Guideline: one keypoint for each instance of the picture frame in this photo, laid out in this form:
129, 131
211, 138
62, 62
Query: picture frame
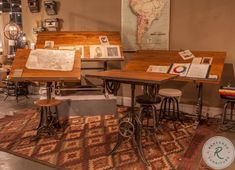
186, 54
104, 40
49, 44
79, 48
113, 51
207, 60
97, 51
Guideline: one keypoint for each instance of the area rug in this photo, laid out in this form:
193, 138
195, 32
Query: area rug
85, 142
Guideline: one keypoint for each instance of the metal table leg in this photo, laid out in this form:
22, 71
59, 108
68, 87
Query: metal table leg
133, 124
199, 102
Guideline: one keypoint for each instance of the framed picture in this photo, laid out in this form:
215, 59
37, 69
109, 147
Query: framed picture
49, 44
79, 48
186, 54
97, 51
113, 51
207, 60
180, 69
104, 40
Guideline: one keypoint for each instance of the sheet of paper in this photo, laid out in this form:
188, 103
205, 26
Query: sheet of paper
104, 40
158, 69
79, 48
18, 73
57, 60
197, 60
198, 70
186, 54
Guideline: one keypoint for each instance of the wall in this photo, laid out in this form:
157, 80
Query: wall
195, 25
77, 15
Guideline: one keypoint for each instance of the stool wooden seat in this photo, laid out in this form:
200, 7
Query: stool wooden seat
170, 92
47, 102
170, 104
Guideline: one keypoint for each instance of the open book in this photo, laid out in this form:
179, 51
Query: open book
198, 70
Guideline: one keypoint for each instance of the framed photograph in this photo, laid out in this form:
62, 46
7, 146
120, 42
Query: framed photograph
49, 44
207, 60
79, 48
113, 51
186, 54
180, 69
104, 40
97, 51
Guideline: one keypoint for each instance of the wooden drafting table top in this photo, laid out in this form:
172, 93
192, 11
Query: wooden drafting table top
86, 38
43, 75
138, 77
142, 59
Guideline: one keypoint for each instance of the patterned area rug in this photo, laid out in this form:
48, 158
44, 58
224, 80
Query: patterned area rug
85, 142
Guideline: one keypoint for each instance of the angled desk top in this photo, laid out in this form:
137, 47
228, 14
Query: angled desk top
144, 58
138, 77
43, 75
86, 38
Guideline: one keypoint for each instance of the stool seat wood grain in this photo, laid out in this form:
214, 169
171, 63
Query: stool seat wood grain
167, 92
48, 102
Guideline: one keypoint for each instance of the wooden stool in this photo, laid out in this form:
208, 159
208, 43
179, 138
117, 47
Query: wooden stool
48, 120
170, 104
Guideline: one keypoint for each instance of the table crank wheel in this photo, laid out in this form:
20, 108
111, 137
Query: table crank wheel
126, 129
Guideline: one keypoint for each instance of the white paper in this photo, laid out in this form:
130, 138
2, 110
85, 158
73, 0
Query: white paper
197, 60
104, 40
57, 60
158, 69
186, 54
79, 48
198, 70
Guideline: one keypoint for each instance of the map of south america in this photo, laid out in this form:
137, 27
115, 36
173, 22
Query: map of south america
145, 24
147, 11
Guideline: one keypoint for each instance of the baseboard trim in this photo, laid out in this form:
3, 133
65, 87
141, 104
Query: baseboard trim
187, 108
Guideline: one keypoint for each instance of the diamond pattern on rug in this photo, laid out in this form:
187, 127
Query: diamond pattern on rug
124, 158
95, 132
68, 157
46, 149
50, 158
171, 147
87, 140
101, 163
28, 151
98, 150
74, 144
95, 141
160, 163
